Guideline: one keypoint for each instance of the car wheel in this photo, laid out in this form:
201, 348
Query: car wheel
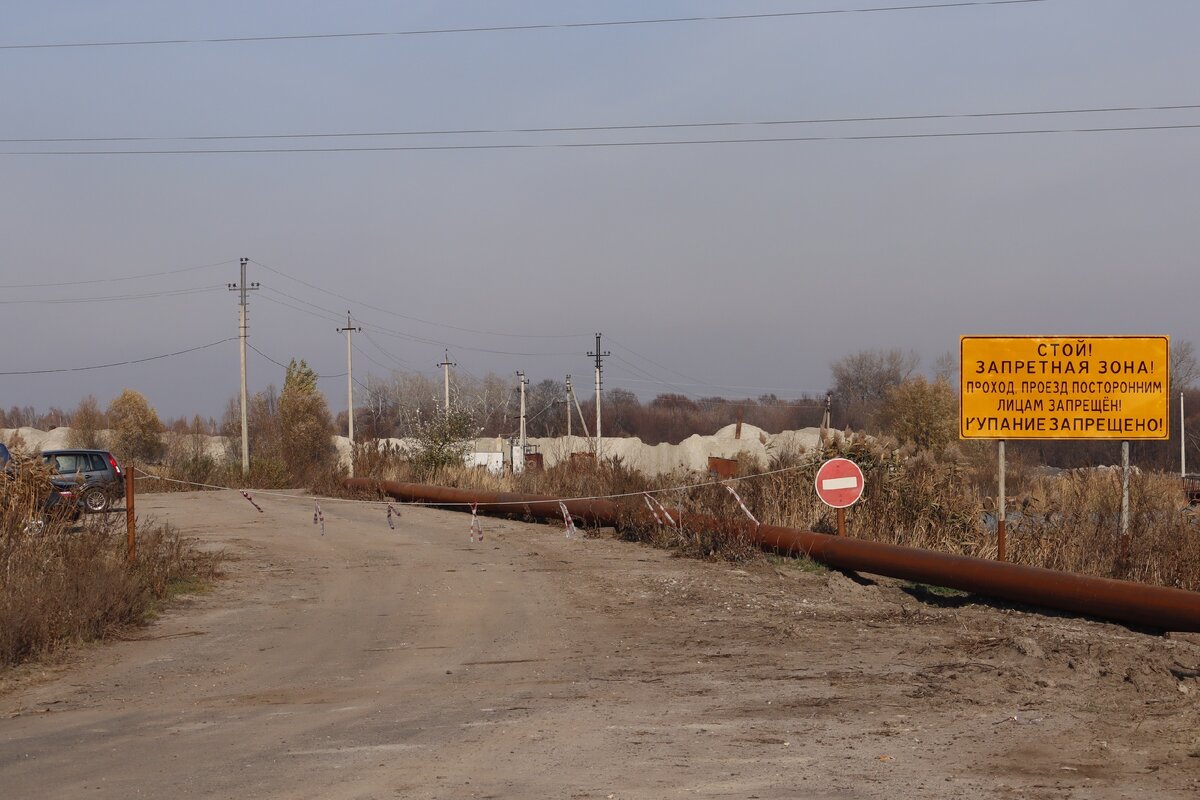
95, 500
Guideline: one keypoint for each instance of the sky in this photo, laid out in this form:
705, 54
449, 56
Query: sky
712, 267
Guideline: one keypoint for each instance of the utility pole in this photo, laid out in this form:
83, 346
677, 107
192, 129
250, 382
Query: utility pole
599, 355
446, 365
522, 382
242, 287
582, 421
825, 421
349, 331
568, 404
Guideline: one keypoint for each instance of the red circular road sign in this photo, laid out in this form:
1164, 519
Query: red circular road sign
839, 483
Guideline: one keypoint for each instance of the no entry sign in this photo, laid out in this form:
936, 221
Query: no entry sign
839, 483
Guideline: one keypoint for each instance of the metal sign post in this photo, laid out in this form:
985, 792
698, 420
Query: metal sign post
1001, 507
130, 518
839, 484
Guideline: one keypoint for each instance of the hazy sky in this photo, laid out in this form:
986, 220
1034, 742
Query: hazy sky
723, 268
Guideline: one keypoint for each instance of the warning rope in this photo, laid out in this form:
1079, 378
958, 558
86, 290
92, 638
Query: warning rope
650, 495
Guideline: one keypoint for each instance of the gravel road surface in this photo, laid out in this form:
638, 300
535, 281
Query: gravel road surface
377, 663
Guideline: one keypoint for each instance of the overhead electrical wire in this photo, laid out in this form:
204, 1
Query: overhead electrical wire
371, 358
410, 337
285, 366
408, 317
72, 282
111, 298
623, 127
527, 27
588, 145
400, 362
119, 363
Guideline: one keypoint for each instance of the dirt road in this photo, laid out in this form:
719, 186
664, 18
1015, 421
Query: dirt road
372, 663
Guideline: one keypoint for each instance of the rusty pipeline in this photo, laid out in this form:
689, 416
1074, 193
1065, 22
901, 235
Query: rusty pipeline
1106, 598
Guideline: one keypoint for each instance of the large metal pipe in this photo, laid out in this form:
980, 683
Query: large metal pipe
1122, 601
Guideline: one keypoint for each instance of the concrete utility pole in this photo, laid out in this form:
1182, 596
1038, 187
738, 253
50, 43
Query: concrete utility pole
569, 405
582, 421
349, 331
599, 355
522, 382
242, 287
446, 365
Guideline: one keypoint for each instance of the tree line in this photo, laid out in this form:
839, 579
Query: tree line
882, 392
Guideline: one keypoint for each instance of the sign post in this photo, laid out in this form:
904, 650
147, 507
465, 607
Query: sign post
839, 484
1001, 508
130, 516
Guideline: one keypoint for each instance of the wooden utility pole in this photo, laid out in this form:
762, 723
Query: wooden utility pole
242, 287
349, 331
130, 516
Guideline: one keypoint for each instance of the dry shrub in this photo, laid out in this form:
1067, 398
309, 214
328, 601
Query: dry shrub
1072, 522
68, 582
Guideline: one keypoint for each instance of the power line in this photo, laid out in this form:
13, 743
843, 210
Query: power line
320, 313
406, 316
409, 336
626, 127
119, 363
285, 366
115, 280
401, 363
423, 340
373, 360
587, 145
111, 298
510, 28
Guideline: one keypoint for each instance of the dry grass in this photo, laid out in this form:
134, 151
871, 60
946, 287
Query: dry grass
943, 503
70, 582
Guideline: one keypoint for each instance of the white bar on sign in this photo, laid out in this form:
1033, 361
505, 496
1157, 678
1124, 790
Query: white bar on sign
830, 484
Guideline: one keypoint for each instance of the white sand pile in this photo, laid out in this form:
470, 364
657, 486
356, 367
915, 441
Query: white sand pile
658, 459
35, 440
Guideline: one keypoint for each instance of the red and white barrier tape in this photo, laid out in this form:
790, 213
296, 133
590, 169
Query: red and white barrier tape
246, 495
476, 527
667, 514
319, 517
653, 510
567, 521
737, 497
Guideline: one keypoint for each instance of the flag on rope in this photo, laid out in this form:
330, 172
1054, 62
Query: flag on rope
246, 495
570, 523
476, 527
392, 512
737, 497
318, 516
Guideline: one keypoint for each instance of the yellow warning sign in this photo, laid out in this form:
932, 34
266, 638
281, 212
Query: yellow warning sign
1064, 387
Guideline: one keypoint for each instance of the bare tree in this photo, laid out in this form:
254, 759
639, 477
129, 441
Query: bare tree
1184, 367
866, 376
